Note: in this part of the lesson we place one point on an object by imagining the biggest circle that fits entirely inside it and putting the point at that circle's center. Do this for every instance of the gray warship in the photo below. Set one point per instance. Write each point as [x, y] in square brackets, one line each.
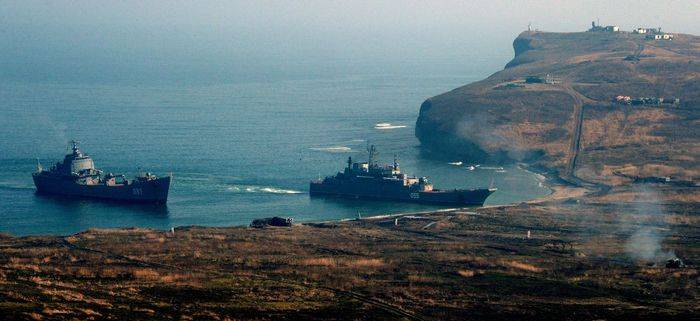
[372, 181]
[76, 176]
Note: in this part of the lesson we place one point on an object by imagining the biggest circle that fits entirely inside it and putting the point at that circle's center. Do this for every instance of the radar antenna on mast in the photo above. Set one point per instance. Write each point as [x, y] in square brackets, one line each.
[372, 153]
[73, 145]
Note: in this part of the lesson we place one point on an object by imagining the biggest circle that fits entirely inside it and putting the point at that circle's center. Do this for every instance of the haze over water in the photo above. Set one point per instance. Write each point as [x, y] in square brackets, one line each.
[237, 151]
[243, 102]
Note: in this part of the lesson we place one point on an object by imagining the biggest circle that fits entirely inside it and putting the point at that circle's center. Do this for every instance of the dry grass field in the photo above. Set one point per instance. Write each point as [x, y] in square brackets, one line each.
[591, 258]
[504, 118]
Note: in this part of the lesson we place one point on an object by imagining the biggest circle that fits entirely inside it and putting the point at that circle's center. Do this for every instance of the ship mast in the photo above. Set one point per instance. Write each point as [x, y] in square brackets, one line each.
[74, 147]
[372, 153]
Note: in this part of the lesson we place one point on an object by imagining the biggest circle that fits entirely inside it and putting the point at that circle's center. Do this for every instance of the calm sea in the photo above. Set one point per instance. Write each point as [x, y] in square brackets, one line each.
[237, 151]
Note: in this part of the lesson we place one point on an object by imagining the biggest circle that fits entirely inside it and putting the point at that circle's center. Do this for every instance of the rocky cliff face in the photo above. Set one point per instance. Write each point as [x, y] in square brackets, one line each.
[570, 118]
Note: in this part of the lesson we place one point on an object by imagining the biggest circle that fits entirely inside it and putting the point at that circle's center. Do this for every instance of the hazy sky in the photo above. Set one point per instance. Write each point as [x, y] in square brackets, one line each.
[98, 40]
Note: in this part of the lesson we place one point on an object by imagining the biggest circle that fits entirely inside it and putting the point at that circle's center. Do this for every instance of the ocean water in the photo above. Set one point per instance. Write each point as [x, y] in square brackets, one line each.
[237, 151]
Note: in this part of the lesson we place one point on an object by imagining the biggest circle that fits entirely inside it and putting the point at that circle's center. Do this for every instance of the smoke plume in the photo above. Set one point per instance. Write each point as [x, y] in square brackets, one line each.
[646, 222]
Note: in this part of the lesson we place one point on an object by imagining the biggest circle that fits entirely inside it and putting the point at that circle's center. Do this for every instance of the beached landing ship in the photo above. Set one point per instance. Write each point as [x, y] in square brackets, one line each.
[372, 181]
[76, 176]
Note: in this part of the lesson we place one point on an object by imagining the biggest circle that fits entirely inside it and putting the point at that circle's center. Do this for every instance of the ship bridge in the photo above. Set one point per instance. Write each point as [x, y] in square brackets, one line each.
[76, 162]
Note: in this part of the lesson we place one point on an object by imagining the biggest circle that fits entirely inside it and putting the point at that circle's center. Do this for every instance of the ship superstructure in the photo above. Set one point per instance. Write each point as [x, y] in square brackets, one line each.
[370, 180]
[77, 176]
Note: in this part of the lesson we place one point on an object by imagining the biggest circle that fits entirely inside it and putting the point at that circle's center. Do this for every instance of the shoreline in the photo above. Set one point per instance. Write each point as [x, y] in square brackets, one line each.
[504, 255]
[559, 190]
[540, 175]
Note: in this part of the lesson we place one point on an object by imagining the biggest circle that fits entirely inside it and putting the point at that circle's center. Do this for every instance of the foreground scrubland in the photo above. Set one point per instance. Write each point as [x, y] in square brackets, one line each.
[587, 258]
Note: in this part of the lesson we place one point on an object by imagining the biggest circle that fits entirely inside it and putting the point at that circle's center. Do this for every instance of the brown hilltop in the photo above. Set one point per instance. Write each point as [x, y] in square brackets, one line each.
[502, 117]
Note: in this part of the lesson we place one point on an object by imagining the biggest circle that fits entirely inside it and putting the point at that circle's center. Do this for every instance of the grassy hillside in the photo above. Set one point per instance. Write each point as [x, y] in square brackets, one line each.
[558, 260]
[504, 118]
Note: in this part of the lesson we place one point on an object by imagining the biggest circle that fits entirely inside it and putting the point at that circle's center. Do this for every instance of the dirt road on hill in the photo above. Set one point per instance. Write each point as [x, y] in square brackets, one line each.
[575, 144]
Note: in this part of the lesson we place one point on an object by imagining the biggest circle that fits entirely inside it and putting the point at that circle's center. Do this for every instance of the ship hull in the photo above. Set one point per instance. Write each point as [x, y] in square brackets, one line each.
[151, 191]
[470, 197]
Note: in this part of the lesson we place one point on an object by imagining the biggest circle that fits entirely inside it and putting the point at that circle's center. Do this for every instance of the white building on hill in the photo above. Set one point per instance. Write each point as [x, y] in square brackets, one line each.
[661, 36]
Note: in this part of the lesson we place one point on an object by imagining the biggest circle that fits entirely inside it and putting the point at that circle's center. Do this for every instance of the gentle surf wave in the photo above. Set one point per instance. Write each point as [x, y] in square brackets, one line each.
[261, 189]
[332, 149]
[193, 179]
[388, 126]
[15, 186]
[199, 177]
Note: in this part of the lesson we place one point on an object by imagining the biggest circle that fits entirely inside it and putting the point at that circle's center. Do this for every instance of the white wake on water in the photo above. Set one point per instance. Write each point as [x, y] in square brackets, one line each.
[332, 149]
[388, 126]
[261, 189]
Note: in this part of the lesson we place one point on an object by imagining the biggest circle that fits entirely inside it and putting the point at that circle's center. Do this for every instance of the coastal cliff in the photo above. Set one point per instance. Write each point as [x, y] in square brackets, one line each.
[554, 105]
